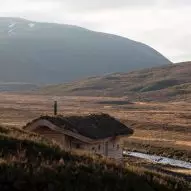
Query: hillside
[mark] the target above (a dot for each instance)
(30, 162)
(172, 82)
(11, 87)
(33, 52)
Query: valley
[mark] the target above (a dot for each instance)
(159, 128)
(95, 95)
(152, 96)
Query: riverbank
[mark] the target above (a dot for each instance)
(162, 150)
(159, 159)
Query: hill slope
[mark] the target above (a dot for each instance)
(30, 162)
(18, 87)
(172, 82)
(33, 52)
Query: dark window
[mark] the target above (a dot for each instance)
(77, 146)
(106, 149)
(99, 147)
(118, 147)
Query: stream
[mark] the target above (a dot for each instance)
(159, 159)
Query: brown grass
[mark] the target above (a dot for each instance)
(165, 83)
(31, 162)
(166, 125)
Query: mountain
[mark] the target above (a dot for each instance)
(12, 87)
(169, 82)
(33, 52)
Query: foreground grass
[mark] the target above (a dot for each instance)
(30, 162)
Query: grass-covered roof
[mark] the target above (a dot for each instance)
(94, 126)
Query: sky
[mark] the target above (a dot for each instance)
(164, 25)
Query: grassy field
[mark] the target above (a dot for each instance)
(160, 128)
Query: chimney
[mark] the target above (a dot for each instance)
(55, 108)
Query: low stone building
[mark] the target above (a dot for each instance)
(96, 133)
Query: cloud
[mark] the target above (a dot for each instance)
(107, 4)
(20, 6)
(87, 5)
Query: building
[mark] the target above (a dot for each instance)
(96, 133)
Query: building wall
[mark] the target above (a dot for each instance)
(110, 149)
(50, 134)
(115, 150)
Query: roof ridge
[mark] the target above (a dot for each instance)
(70, 123)
(106, 125)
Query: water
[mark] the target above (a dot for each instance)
(159, 159)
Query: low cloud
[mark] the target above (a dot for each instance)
(87, 5)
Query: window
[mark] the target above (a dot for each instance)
(106, 149)
(94, 149)
(99, 147)
(77, 146)
(118, 147)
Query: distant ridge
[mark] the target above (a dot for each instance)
(165, 83)
(47, 53)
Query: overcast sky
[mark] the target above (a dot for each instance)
(163, 24)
